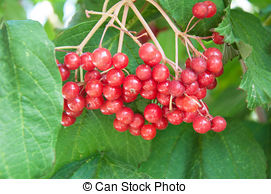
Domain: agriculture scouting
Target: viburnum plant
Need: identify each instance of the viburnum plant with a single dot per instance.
(175, 98)
(137, 89)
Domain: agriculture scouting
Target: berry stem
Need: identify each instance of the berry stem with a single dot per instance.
(170, 102)
(123, 22)
(176, 57)
(66, 47)
(194, 25)
(75, 75)
(105, 5)
(126, 71)
(189, 24)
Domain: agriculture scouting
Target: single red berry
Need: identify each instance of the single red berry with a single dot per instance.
(176, 88)
(217, 38)
(64, 72)
(192, 88)
(125, 115)
(201, 93)
(218, 124)
(67, 120)
(102, 59)
(219, 73)
(189, 116)
(160, 73)
(148, 94)
(149, 84)
(143, 72)
(161, 124)
(163, 99)
(86, 62)
(156, 60)
(152, 113)
(147, 52)
(120, 61)
(188, 76)
(73, 114)
(201, 124)
(163, 87)
(187, 103)
(57, 61)
(128, 99)
(77, 104)
(211, 8)
(94, 88)
(70, 90)
(72, 61)
(214, 64)
(104, 109)
(94, 74)
(205, 79)
(135, 131)
(175, 117)
(115, 77)
(212, 52)
(200, 10)
(94, 102)
(111, 92)
(114, 105)
(137, 122)
(132, 84)
(148, 132)
(188, 63)
(212, 85)
(120, 126)
(198, 64)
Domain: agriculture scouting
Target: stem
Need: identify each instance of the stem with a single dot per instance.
(81, 74)
(126, 71)
(123, 22)
(189, 24)
(188, 51)
(170, 102)
(66, 47)
(107, 70)
(75, 75)
(105, 5)
(194, 25)
(201, 43)
(176, 57)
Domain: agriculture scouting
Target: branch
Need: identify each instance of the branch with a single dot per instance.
(123, 22)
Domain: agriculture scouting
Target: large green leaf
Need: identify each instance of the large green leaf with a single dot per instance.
(12, 10)
(253, 42)
(179, 152)
(30, 100)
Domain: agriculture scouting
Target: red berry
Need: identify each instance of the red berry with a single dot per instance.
(217, 38)
(163, 99)
(125, 115)
(211, 8)
(212, 85)
(115, 77)
(160, 73)
(165, 111)
(94, 88)
(156, 60)
(135, 131)
(187, 103)
(143, 72)
(219, 73)
(163, 87)
(188, 63)
(147, 52)
(161, 124)
(188, 76)
(214, 64)
(86, 62)
(72, 61)
(201, 124)
(94, 74)
(200, 10)
(149, 84)
(70, 90)
(65, 105)
(148, 94)
(120, 126)
(189, 116)
(128, 99)
(114, 105)
(73, 114)
(120, 61)
(102, 59)
(77, 104)
(94, 102)
(175, 117)
(152, 113)
(212, 52)
(137, 122)
(111, 92)
(198, 64)
(148, 132)
(201, 93)
(64, 72)
(176, 88)
(104, 109)
(218, 124)
(132, 84)
(192, 88)
(67, 120)
(205, 79)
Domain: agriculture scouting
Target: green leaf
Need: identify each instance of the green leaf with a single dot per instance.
(253, 42)
(30, 100)
(261, 3)
(12, 10)
(98, 167)
(178, 152)
(94, 132)
(181, 12)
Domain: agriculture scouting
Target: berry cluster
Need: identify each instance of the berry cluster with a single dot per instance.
(174, 101)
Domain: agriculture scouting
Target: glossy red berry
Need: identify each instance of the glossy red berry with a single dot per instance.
(206, 78)
(120, 126)
(198, 64)
(160, 73)
(214, 64)
(219, 73)
(73, 114)
(212, 85)
(111, 92)
(187, 103)
(148, 132)
(120, 61)
(148, 94)
(115, 77)
(114, 105)
(94, 88)
(94, 74)
(188, 76)
(132, 85)
(163, 87)
(200, 10)
(192, 88)
(149, 84)
(201, 124)
(64, 72)
(163, 99)
(125, 115)
(70, 90)
(211, 8)
(128, 99)
(212, 52)
(135, 131)
(86, 62)
(218, 124)
(161, 124)
(143, 72)
(137, 122)
(104, 110)
(156, 60)
(77, 104)
(176, 88)
(94, 102)
(175, 117)
(147, 52)
(102, 59)
(188, 63)
(217, 38)
(201, 93)
(67, 120)
(189, 116)
(72, 61)
(152, 113)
